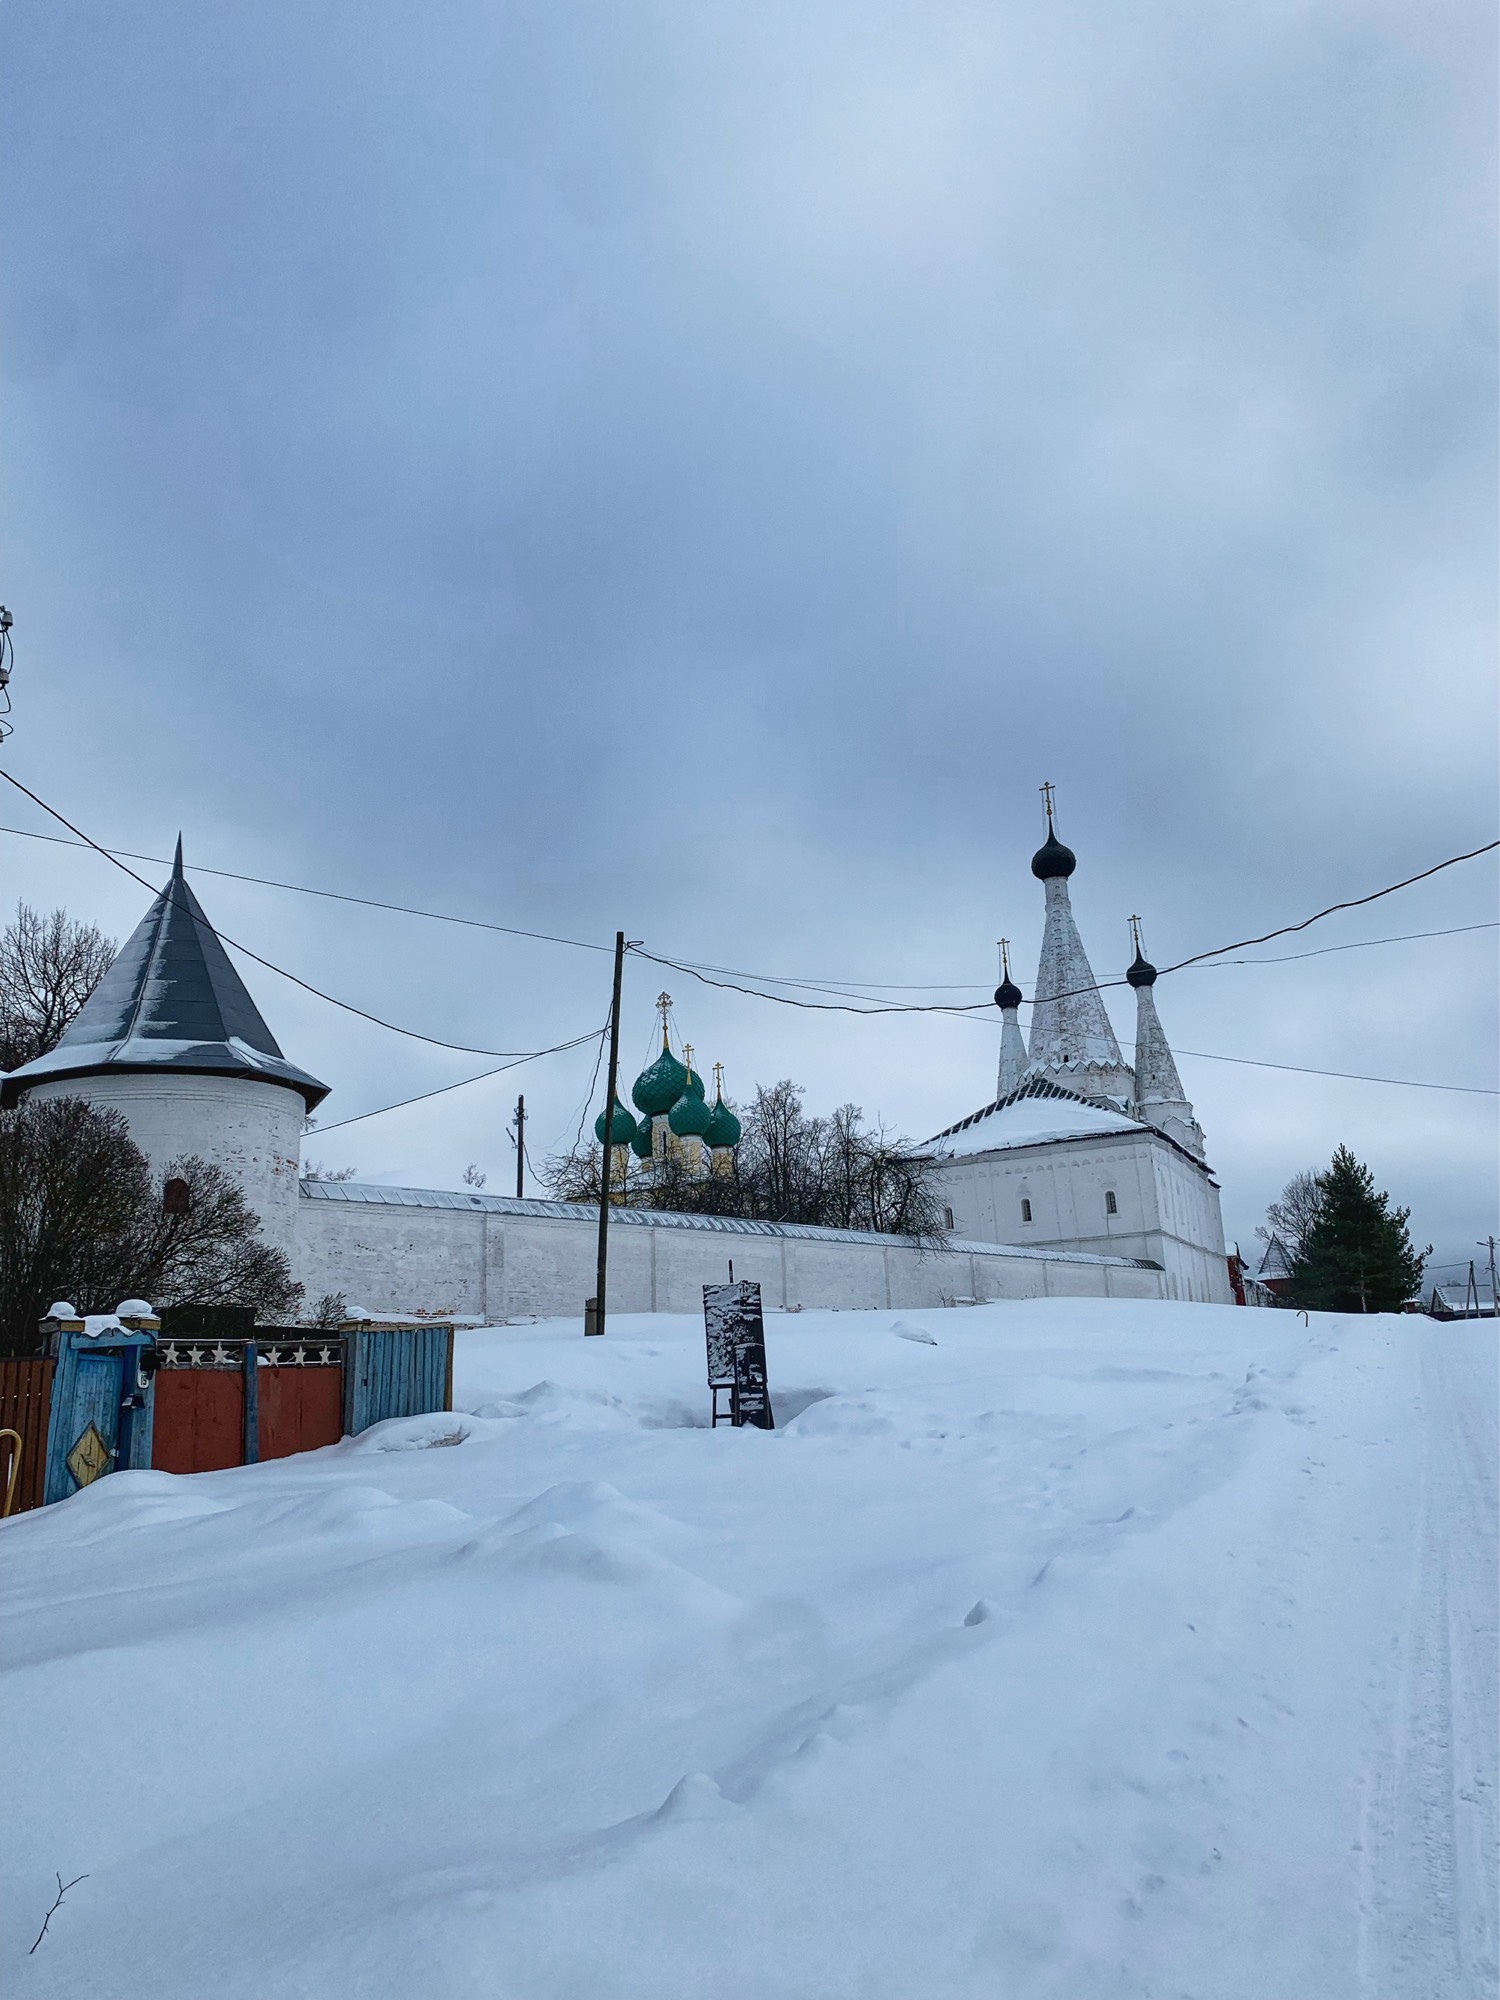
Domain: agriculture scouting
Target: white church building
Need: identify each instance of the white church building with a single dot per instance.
(1079, 1148)
(1084, 1178)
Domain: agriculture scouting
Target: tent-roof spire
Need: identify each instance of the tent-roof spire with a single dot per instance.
(170, 1001)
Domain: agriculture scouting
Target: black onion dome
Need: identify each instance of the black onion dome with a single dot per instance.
(1053, 859)
(1142, 972)
(1007, 995)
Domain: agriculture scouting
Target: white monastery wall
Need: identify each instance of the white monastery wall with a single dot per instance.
(1166, 1208)
(251, 1129)
(505, 1261)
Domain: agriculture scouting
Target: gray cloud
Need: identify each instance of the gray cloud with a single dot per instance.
(702, 468)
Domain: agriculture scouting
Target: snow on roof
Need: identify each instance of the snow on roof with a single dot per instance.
(374, 1195)
(1030, 1118)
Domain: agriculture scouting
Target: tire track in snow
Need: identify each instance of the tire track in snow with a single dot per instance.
(1428, 1923)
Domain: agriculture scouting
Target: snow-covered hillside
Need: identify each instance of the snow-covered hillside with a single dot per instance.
(1064, 1649)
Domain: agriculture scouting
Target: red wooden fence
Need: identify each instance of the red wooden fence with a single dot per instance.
(300, 1408)
(200, 1419)
(26, 1406)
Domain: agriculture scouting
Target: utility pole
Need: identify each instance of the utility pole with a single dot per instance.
(520, 1147)
(613, 1085)
(1489, 1244)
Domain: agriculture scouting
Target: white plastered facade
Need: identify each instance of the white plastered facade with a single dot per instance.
(1056, 1193)
(253, 1130)
(413, 1250)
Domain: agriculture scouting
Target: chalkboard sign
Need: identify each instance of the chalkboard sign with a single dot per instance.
(737, 1354)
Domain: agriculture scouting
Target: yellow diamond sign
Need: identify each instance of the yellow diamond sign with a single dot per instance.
(89, 1457)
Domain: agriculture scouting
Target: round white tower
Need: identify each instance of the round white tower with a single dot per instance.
(171, 1040)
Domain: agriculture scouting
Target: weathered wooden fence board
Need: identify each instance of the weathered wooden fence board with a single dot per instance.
(26, 1406)
(200, 1419)
(300, 1409)
(397, 1372)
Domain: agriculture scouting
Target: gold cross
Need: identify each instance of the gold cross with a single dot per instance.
(664, 1007)
(687, 1057)
(1135, 935)
(1047, 790)
(718, 1079)
(1005, 958)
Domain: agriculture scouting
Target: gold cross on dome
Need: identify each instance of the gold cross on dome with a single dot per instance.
(664, 1008)
(718, 1079)
(687, 1056)
(1005, 958)
(1047, 790)
(1135, 937)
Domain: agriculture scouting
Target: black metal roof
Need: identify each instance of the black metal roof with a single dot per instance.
(171, 1000)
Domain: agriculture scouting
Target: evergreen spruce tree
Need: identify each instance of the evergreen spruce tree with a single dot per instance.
(1357, 1255)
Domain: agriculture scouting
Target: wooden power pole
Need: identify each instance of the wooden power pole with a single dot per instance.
(520, 1147)
(612, 1086)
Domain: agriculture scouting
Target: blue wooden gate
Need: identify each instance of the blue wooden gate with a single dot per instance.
(102, 1404)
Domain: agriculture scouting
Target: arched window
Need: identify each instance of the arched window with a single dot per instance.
(1025, 1208)
(947, 1218)
(1111, 1206)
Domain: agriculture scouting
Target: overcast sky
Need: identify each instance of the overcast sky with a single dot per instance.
(700, 468)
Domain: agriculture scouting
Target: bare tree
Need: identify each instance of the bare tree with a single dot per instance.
(1291, 1216)
(473, 1177)
(314, 1170)
(837, 1172)
(49, 965)
(82, 1217)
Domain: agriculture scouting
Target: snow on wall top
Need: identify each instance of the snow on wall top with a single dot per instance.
(372, 1195)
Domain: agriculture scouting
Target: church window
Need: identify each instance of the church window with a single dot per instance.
(947, 1218)
(1111, 1206)
(1025, 1208)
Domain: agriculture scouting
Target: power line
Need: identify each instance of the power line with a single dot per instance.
(1354, 903)
(702, 970)
(412, 1034)
(302, 889)
(871, 986)
(1360, 944)
(463, 1082)
(1350, 1076)
(731, 983)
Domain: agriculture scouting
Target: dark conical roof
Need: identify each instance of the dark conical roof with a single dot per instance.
(171, 1000)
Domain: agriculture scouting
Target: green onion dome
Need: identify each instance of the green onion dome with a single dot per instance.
(695, 1085)
(690, 1117)
(641, 1144)
(657, 1089)
(622, 1127)
(723, 1127)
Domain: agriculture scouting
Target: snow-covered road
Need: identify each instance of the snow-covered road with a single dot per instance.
(1097, 1649)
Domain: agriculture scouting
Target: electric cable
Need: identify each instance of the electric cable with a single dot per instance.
(443, 1088)
(392, 1027)
(698, 968)
(732, 984)
(1348, 1075)
(302, 889)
